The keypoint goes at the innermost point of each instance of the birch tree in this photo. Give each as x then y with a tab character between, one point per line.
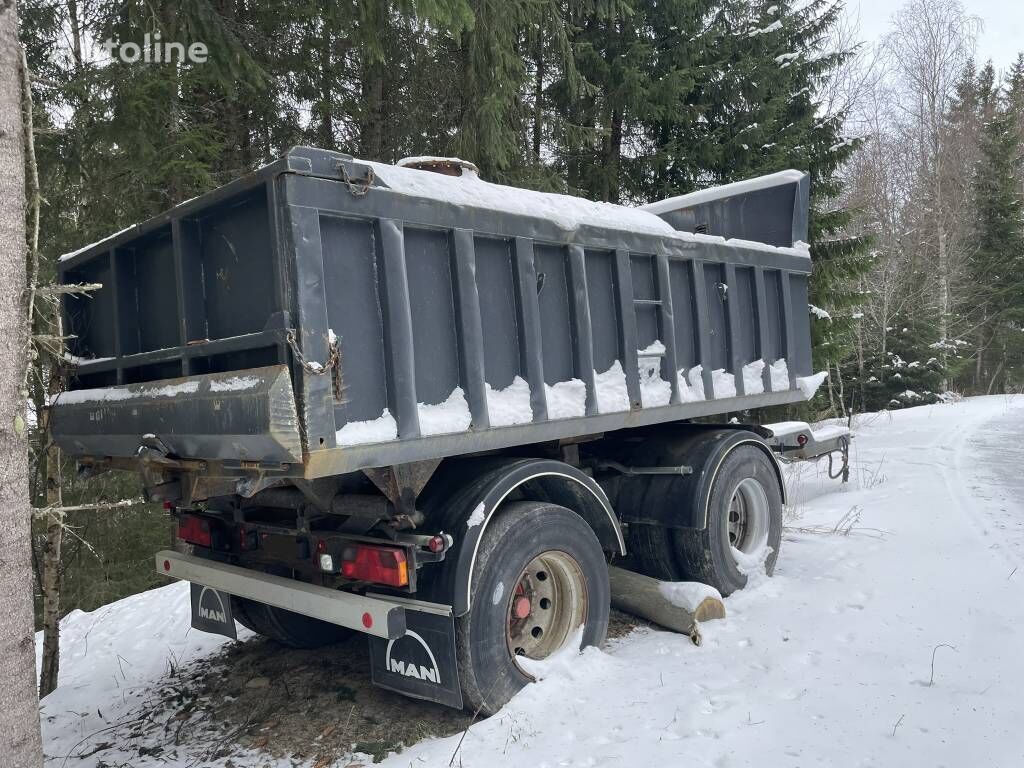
20	741
931	43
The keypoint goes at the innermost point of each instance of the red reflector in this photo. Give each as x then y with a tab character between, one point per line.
367	620
436	544
167	565
195	530
801	440
380	565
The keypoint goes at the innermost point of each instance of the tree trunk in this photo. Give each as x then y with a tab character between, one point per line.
842	392
978	360
995	376
943	289
373	98
679	606
940	234
76	34
538	98
326	88
831	393
51	569
20	741
616	156
861	374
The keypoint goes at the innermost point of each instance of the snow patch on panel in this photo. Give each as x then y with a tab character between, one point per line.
723	383
566	399
691	384
612	396
753	381
116	394
234	384
809	384
510	405
654	390
444	418
780	375
380	430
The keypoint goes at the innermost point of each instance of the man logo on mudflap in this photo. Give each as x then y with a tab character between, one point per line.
214	613
429	673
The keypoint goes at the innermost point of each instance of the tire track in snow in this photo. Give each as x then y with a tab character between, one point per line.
986	479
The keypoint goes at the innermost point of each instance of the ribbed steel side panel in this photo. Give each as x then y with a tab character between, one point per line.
434	302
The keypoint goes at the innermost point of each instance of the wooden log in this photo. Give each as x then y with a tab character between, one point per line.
679	606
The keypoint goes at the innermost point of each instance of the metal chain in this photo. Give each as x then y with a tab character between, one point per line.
332	366
358	187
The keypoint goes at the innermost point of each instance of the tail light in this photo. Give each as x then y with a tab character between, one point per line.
248	539
367	562
195	530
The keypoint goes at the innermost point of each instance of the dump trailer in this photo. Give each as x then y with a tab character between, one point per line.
403	401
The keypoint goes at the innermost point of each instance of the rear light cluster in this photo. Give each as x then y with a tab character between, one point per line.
195	530
367	562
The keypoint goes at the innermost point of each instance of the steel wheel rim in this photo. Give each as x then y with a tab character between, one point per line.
748	516
547	604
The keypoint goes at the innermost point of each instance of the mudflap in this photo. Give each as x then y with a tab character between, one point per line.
421	663
211	611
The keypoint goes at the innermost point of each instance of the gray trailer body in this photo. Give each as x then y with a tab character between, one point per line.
213	334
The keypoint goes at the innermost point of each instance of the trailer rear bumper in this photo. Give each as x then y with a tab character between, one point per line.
798	440
376	616
412	642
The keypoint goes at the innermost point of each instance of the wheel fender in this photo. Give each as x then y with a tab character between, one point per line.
682	501
477	492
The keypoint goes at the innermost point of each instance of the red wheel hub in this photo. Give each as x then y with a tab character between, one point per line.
521	607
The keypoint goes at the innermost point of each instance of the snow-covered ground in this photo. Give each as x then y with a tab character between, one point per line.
891	634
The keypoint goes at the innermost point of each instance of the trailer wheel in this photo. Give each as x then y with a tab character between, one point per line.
744	514
540	575
285	627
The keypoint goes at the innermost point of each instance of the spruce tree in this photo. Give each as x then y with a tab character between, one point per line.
997	266
767	117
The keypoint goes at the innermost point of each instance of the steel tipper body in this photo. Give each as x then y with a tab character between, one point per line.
424	316
412	387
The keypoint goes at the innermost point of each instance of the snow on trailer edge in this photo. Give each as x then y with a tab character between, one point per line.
567	399
567	211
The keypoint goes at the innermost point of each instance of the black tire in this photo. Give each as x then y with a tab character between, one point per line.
704	555
285	627
520	533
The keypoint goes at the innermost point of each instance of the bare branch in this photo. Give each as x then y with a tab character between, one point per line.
70	288
99	505
34	200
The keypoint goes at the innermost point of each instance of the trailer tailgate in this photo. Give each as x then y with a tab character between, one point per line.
245	415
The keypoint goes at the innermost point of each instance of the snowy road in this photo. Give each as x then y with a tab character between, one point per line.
997	481
830	663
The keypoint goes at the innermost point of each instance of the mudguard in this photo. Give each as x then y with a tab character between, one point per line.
681	501
478	489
